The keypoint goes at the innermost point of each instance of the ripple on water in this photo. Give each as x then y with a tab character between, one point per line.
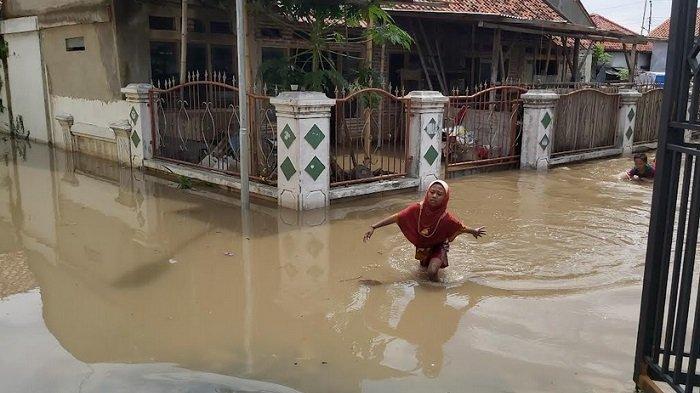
575	228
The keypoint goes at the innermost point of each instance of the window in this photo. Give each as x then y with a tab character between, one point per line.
164	61
222	60
543	69
195	26
350	65
75	44
220	28
197	58
161	23
268	32
272	54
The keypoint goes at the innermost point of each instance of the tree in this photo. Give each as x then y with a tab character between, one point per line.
321	24
600	56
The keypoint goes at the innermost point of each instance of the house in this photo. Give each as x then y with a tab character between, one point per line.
623	55
74	56
659	37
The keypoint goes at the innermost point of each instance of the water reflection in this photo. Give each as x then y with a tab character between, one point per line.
139	278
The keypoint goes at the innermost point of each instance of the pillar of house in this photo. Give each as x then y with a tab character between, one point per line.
626	118
139	117
123	137
303	149
66	123
538	124
425	135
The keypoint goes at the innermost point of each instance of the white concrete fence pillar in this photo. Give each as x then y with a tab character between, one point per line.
538	125
425	135
66	123
626	119
140	120
122	135
303	149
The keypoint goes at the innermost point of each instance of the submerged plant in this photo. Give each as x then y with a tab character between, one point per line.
184	182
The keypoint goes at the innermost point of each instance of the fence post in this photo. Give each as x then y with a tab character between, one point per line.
66	122
626	119
538	124
303	149
140	120
427	109
122	135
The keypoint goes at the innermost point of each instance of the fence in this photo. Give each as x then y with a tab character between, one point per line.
585	120
483	129
646	127
196	123
369	137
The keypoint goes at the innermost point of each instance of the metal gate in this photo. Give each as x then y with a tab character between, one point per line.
196	124
668	341
369	137
483	129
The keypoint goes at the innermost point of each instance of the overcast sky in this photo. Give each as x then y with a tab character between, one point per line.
629	13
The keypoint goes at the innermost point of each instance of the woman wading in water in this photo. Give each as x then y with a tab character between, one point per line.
430	227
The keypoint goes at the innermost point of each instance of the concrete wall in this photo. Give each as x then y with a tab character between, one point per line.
658	56
19	8
27	85
88	74
131	21
5	114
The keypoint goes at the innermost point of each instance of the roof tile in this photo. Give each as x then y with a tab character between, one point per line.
517	9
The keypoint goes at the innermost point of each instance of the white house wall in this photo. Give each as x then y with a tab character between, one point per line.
658	56
26	83
91	117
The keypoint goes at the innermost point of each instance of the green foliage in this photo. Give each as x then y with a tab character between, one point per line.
624	74
4	49
600	56
184	182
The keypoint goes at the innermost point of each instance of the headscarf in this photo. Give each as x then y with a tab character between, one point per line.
427	226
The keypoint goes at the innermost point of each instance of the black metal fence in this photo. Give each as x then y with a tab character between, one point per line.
668	342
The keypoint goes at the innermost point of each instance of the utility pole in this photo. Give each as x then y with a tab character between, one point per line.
183	43
650	10
644	18
243	105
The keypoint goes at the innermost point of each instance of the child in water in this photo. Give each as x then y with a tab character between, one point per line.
642	170
430	227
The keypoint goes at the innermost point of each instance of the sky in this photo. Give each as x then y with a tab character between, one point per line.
629	13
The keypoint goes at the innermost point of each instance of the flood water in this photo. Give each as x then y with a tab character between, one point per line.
113	281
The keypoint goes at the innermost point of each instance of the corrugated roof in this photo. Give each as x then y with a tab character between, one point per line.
661	31
516	9
604	23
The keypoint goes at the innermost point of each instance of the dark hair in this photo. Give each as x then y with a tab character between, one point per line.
641	156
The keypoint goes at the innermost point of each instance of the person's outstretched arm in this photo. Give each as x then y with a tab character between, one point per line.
387	221
476	232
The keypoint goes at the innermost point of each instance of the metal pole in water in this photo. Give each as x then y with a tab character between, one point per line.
243	105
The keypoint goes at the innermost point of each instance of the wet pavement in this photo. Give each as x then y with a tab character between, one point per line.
115	281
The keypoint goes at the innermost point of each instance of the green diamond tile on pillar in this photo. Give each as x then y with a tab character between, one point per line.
630	115
133	115
315	136
315	168
431	155
544	142
288	168
546	120
288	136
135	138
629	132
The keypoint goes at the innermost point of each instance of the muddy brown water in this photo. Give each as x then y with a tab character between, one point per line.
113	281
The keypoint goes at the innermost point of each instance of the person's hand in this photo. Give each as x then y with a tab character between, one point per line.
368	235
479	232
